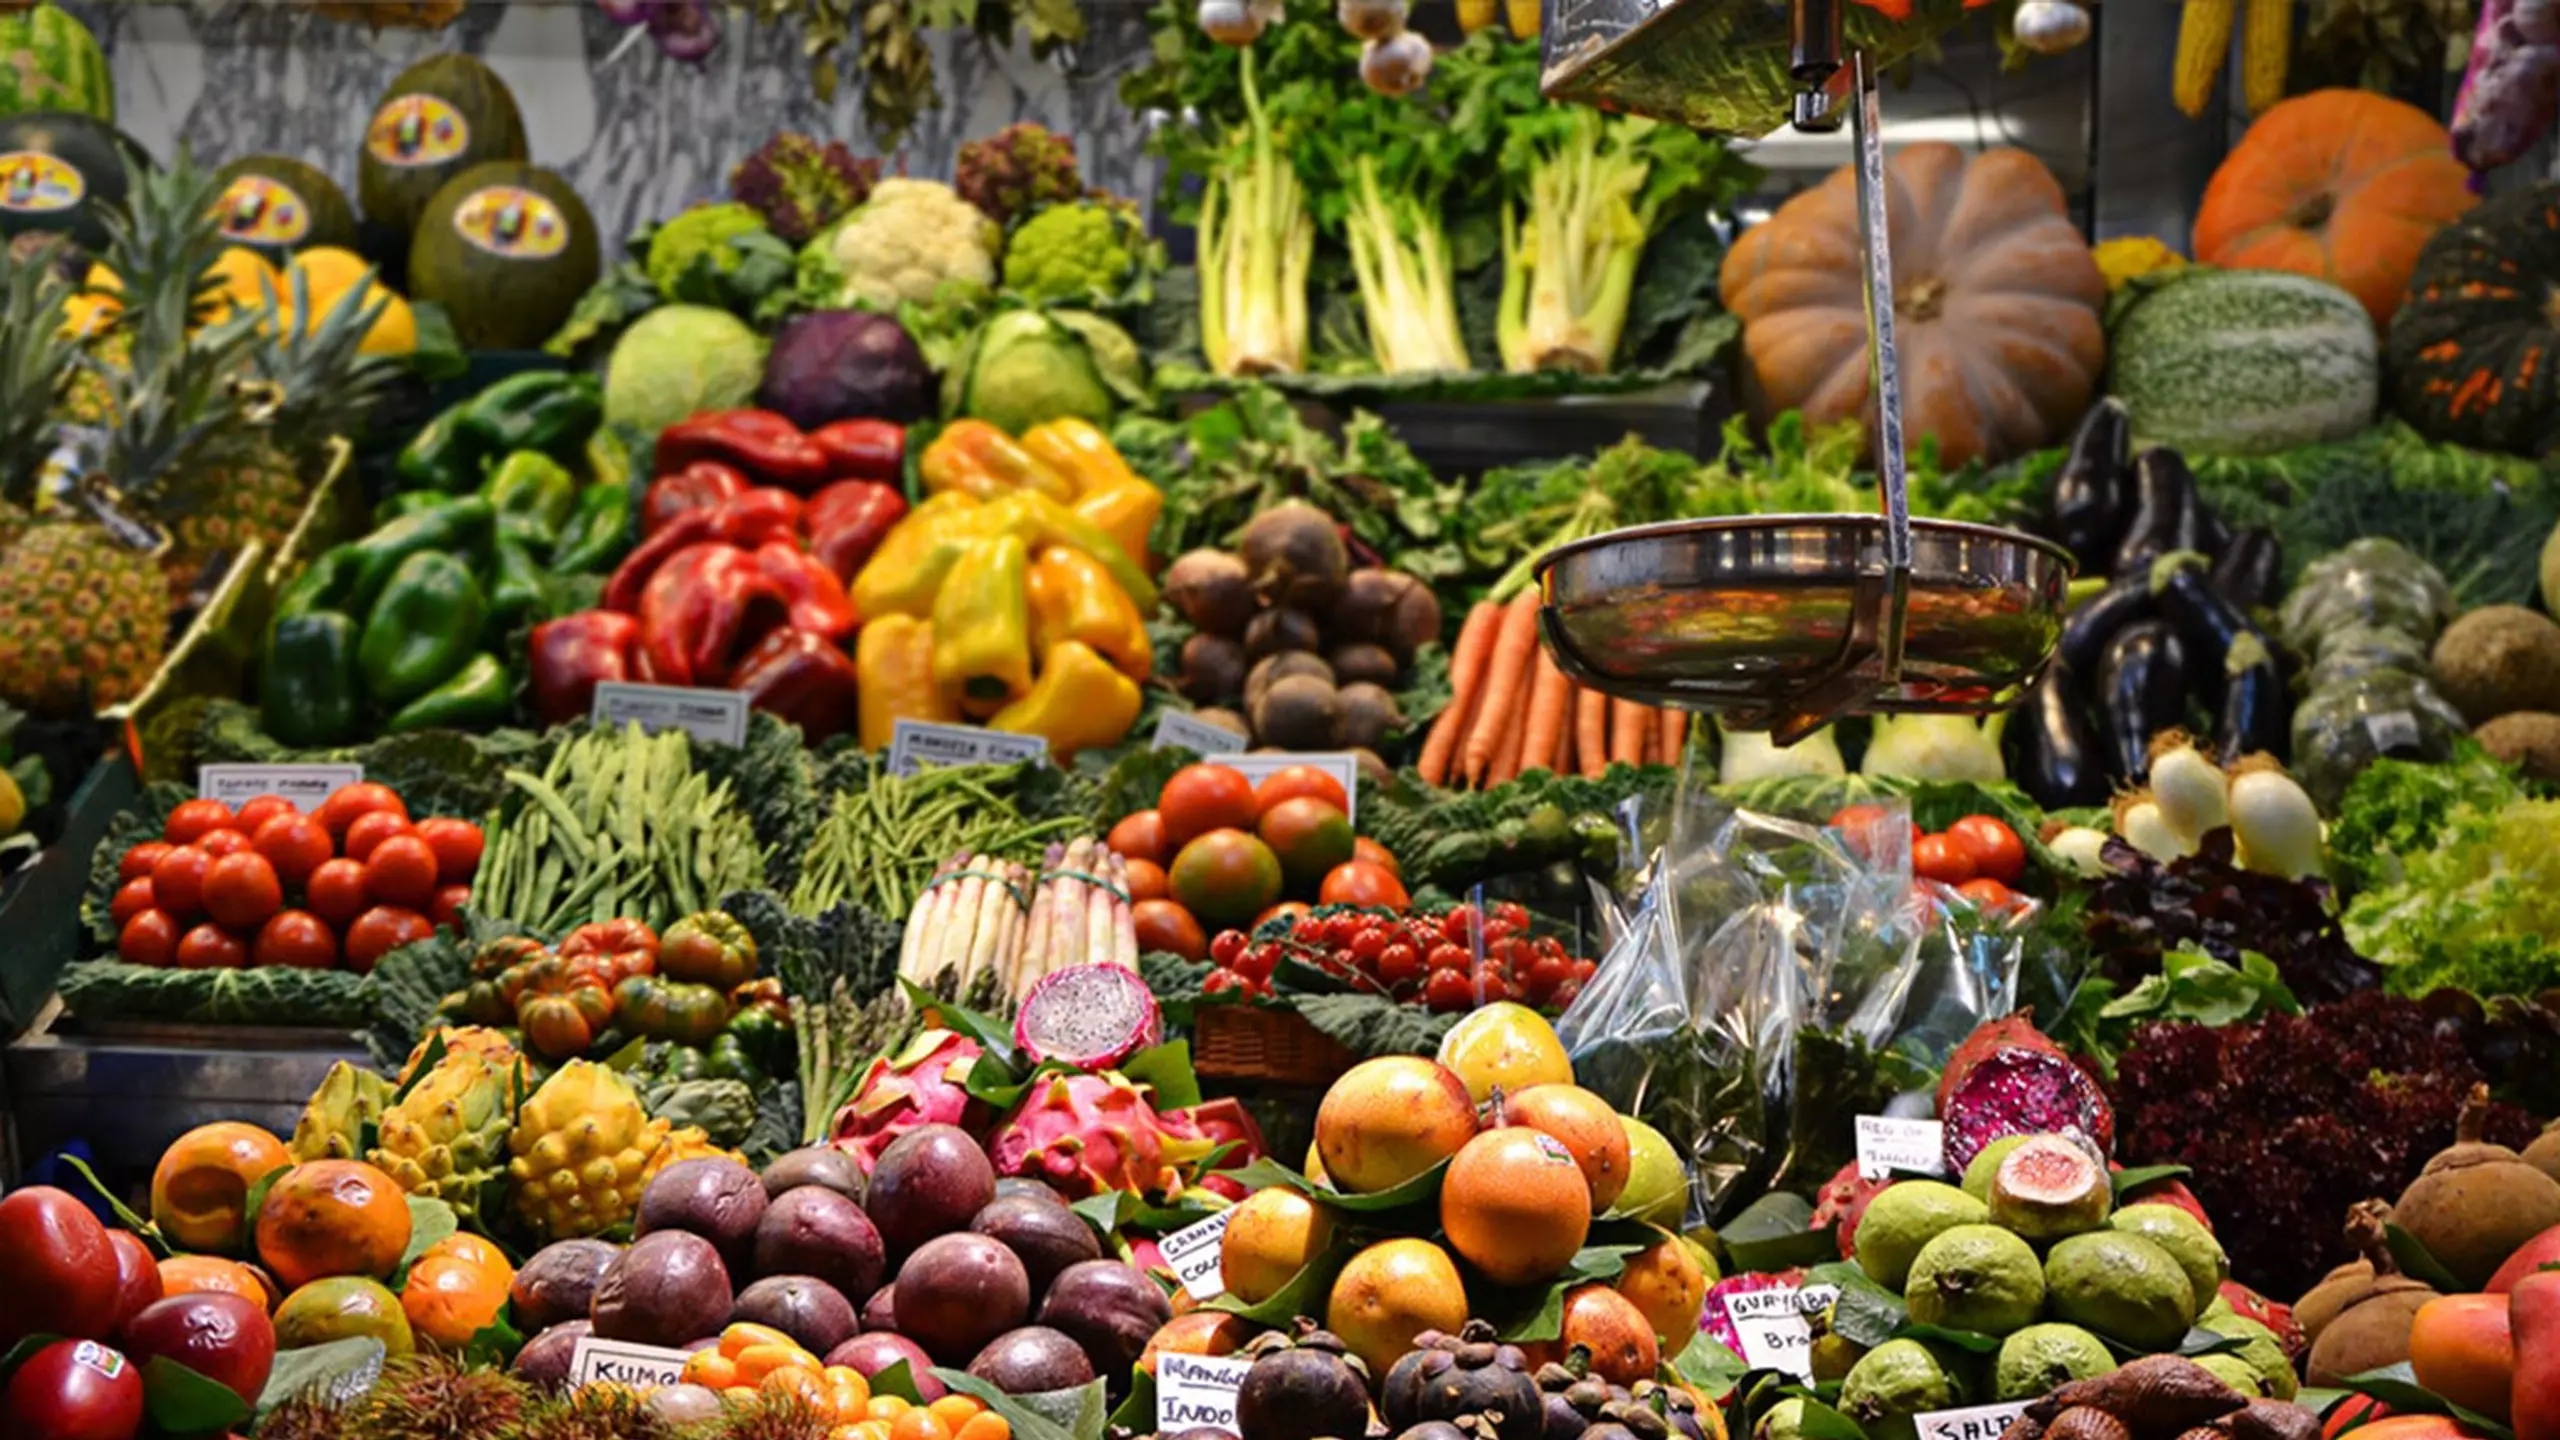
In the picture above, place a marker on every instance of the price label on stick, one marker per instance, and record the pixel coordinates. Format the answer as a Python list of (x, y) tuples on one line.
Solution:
[(1982, 1422), (1342, 765), (1196, 1392), (1193, 1253), (595, 1360), (717, 717), (305, 785), (1887, 1144), (917, 743), (1173, 728), (1772, 1323)]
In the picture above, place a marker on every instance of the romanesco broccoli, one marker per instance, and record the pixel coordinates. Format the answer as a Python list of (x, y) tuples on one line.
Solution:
[(702, 230), (1071, 253)]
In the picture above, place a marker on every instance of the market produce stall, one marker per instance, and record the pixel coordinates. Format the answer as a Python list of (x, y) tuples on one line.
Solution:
[(928, 803)]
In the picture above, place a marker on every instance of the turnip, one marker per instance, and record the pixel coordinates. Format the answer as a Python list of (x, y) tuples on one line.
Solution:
[(2081, 848), (1371, 19), (2274, 820), (1229, 22), (2193, 794), (1396, 66), (2139, 822)]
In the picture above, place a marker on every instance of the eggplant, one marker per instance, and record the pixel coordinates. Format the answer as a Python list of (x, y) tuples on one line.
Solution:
[(2088, 629), (2250, 568), (2251, 710), (2163, 499), (2089, 496), (2142, 690), (2200, 530), (2058, 763)]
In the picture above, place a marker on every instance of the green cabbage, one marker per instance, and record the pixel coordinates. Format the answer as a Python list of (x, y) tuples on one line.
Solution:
[(678, 361)]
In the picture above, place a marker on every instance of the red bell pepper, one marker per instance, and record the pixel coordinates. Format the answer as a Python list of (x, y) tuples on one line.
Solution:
[(575, 653), (847, 521), (698, 486), (746, 519), (863, 449), (765, 447), (816, 597), (802, 678), (705, 605)]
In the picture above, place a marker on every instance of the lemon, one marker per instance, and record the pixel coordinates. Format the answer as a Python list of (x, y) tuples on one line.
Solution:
[(328, 272), (13, 804), (247, 283), (1505, 1045), (1657, 1187)]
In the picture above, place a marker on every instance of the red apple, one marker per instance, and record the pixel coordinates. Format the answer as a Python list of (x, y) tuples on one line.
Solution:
[(137, 1277), (218, 1335), (75, 1390), (2532, 1255), (58, 1270)]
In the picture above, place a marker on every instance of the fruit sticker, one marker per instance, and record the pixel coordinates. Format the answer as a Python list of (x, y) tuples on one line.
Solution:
[(416, 130), (32, 182), (109, 1363), (512, 223), (258, 211)]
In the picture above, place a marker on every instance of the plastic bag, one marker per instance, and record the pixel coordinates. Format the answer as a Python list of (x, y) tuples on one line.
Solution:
[(1967, 970), (2356, 651), (2374, 582), (2339, 730)]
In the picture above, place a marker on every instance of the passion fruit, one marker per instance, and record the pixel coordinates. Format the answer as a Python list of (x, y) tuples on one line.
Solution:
[(1391, 1292), (1515, 1205), (1390, 1119)]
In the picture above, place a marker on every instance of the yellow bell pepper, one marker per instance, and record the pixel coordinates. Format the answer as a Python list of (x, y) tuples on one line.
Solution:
[(902, 576), (894, 660), (1079, 704), (1073, 598), (1044, 521), (1127, 514), (1077, 448), (982, 625), (981, 461)]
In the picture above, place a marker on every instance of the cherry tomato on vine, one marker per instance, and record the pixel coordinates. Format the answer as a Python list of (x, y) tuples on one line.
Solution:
[(1941, 858), (1996, 849)]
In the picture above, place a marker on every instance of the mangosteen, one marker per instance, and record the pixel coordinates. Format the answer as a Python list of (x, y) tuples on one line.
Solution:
[(1677, 1407), (1465, 1427), (1111, 1309), (814, 1165), (1303, 1386), (1466, 1374), (1032, 1361), (803, 1307), (1044, 1235)]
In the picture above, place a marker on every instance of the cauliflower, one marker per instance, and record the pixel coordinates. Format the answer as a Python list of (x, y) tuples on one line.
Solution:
[(1072, 252), (906, 242), (704, 230)]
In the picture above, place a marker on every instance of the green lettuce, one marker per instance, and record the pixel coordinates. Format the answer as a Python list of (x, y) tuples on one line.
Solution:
[(2458, 872)]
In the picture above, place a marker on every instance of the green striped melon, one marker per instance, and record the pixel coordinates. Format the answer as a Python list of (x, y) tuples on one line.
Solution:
[(49, 61), (2245, 362), (440, 117)]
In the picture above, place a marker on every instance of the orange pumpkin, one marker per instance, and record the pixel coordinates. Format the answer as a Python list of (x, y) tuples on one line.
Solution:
[(1995, 297), (2340, 185)]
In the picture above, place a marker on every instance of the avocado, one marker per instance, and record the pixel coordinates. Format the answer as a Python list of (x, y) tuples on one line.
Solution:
[(507, 249), (440, 117)]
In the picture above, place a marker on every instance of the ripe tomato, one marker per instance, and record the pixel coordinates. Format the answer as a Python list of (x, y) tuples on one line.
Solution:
[(1357, 882), (1859, 827), (297, 938), (1285, 910), (192, 818), (1995, 847), (457, 845), (1310, 836), (218, 843), (335, 892), (132, 898), (1146, 880), (446, 908), (1140, 836), (1941, 858), (371, 829), (149, 938), (381, 930), (177, 881), (241, 891), (1202, 798), (137, 862), (1299, 780), (1990, 896), (210, 947), (254, 813), (400, 871), (1376, 854), (1224, 877), (1163, 925), (295, 845), (349, 801)]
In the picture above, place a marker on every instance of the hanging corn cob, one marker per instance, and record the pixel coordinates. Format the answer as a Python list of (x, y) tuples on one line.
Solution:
[(2204, 47), (2266, 50)]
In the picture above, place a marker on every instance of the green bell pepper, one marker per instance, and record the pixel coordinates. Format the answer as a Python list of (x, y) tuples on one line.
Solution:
[(463, 526), (324, 586), (423, 629), (533, 495), (307, 689), (725, 1058), (515, 585), (440, 457), (478, 695), (407, 502), (548, 410), (597, 530)]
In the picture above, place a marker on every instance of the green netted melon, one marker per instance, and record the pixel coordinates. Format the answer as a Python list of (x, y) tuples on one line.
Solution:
[(61, 172), (507, 249), (53, 63), (442, 116), (276, 205)]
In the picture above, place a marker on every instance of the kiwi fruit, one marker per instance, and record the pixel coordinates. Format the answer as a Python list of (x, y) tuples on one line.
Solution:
[(1299, 712), (2475, 1203), (1280, 628), (1369, 715), (1294, 555), (1211, 590), (1212, 668), (1271, 669)]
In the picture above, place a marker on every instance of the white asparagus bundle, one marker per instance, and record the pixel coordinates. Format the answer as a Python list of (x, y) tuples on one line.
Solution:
[(1124, 916), (1030, 960), (921, 917), (960, 923)]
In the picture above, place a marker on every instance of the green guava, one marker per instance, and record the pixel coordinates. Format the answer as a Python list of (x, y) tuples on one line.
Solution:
[(1785, 1421), (1900, 1379), (1986, 1163), (2050, 1189), (2122, 1286), (2184, 1237), (1904, 1217), (2237, 1373), (2259, 1349), (2041, 1357), (1976, 1277)]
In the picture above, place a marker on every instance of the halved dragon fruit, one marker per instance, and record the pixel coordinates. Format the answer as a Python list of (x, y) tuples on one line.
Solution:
[(1717, 1320), (1084, 1135), (924, 1083), (1842, 1203), (1196, 1132), (1089, 1016), (2008, 1079)]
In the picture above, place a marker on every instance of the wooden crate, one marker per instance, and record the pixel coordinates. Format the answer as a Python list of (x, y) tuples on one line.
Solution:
[(1250, 1042)]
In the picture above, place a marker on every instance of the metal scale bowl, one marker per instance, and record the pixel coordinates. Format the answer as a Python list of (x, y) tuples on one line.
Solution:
[(1784, 622)]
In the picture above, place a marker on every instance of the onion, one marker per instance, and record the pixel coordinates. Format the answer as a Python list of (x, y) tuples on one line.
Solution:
[(1371, 19), (2082, 849), (2194, 795), (1396, 66), (2275, 822), (1229, 22), (686, 31), (2139, 821)]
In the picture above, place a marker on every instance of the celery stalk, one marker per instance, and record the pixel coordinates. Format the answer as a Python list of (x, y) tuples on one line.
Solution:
[(1569, 266), (1256, 243)]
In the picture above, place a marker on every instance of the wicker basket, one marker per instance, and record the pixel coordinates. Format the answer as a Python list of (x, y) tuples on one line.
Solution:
[(1250, 1042)]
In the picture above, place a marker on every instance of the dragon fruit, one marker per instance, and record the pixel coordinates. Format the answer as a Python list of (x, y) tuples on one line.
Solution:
[(2277, 1316), (925, 1083), (1090, 1017), (1195, 1133), (1717, 1320), (1085, 1135), (2008, 1079), (1842, 1203)]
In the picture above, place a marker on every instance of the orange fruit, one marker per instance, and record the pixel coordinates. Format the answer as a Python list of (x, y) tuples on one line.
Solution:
[(1392, 1118), (332, 1217), (188, 1274), (1669, 1285), (1391, 1292), (919, 1423), (1515, 1205), (987, 1425), (1588, 1129), (200, 1190), (2461, 1349), (455, 1289)]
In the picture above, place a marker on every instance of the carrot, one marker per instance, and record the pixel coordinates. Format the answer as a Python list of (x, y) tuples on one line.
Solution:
[(1591, 731), (1675, 735), (1550, 696), (1506, 686), (1466, 677), (1627, 730), (1515, 739)]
